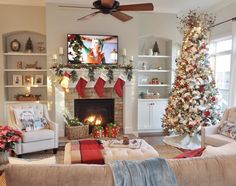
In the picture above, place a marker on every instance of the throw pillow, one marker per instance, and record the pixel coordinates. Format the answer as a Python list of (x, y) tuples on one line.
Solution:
[(228, 149), (228, 129), (41, 123), (25, 118), (48, 161)]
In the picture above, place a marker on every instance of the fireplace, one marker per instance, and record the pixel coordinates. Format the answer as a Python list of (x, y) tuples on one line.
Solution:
[(94, 111)]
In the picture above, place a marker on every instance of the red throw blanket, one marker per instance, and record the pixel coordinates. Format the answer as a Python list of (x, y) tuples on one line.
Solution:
[(91, 152), (191, 153)]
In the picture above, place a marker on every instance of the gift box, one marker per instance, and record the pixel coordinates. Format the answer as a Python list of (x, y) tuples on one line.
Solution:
[(98, 132), (77, 132), (112, 130)]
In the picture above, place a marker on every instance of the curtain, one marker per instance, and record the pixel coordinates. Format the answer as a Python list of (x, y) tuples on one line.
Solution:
[(232, 94)]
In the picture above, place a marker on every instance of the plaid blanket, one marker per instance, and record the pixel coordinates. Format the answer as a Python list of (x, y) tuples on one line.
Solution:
[(191, 153)]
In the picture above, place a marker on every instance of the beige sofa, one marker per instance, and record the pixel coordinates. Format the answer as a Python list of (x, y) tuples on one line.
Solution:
[(214, 171)]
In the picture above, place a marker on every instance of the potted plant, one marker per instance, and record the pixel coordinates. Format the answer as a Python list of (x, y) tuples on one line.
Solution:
[(75, 129), (8, 138)]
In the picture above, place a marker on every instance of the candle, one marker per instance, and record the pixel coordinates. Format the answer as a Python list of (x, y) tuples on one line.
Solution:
[(124, 52), (131, 58), (61, 52), (54, 56)]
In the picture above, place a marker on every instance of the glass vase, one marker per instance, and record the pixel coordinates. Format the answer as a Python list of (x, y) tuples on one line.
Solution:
[(3, 159)]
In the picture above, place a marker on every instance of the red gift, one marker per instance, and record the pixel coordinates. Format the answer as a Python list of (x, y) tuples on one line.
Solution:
[(112, 130), (98, 132)]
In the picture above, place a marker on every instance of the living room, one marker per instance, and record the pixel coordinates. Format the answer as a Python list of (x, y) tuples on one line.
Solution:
[(142, 77)]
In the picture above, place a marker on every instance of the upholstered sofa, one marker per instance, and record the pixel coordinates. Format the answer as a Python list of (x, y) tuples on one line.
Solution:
[(212, 171), (211, 136)]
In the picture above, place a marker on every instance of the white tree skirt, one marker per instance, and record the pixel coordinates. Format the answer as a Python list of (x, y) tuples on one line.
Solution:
[(184, 141)]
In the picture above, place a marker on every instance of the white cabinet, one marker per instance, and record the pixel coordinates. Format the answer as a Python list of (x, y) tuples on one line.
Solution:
[(25, 72), (150, 113), (154, 73)]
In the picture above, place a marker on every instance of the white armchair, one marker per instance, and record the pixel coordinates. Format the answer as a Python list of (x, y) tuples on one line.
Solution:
[(37, 140), (210, 135)]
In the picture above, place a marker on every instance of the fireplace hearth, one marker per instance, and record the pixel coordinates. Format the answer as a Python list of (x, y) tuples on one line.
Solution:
[(94, 111)]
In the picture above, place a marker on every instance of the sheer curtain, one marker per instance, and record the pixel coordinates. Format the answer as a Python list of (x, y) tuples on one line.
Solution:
[(232, 94)]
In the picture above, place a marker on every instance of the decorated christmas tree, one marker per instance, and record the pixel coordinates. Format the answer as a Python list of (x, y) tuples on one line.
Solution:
[(193, 101)]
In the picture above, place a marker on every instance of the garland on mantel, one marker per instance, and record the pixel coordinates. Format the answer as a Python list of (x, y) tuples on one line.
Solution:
[(60, 68)]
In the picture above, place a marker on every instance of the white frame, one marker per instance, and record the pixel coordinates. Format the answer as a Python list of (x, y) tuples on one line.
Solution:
[(38, 77), (17, 79), (31, 80)]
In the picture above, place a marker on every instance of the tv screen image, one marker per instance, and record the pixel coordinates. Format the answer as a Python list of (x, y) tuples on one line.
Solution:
[(92, 49)]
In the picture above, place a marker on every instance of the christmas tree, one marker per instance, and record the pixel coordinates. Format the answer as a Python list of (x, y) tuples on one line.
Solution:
[(194, 98)]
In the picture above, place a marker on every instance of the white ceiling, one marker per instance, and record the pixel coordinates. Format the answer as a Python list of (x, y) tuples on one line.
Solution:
[(167, 6)]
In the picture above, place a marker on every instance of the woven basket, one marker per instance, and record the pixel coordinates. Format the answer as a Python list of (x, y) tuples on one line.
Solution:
[(150, 96), (77, 132)]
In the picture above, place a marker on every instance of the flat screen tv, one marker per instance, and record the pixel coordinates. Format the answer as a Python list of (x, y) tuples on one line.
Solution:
[(92, 49)]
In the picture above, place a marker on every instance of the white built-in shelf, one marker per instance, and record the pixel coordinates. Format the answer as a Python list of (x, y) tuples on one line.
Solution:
[(24, 86), (23, 54), (26, 70), (152, 56), (153, 85), (153, 70), (40, 101)]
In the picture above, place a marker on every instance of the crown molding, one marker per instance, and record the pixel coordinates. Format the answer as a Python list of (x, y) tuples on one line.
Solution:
[(23, 2)]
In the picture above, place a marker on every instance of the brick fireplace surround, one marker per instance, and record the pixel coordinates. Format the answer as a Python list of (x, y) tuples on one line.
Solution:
[(91, 94)]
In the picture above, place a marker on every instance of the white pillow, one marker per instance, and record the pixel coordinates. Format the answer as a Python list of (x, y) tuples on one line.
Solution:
[(25, 118), (48, 161), (228, 149)]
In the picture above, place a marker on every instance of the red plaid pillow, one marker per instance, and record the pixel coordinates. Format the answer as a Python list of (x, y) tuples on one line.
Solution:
[(191, 153)]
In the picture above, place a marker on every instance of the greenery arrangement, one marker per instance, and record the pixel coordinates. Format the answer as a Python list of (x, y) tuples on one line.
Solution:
[(72, 121)]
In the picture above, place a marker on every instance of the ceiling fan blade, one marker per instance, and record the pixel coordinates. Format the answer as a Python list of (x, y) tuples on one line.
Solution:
[(88, 16), (121, 16), (71, 6), (137, 7), (107, 3)]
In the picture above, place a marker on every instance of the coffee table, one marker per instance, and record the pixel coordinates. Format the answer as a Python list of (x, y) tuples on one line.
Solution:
[(112, 153)]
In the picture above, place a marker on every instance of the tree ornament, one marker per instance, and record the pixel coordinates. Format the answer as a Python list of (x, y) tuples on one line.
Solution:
[(29, 46)]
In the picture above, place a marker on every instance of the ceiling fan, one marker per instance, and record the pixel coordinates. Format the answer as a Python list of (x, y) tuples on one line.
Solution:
[(114, 8)]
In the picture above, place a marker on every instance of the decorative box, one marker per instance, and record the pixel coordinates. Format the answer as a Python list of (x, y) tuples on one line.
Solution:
[(98, 132), (29, 97), (77, 132), (112, 130)]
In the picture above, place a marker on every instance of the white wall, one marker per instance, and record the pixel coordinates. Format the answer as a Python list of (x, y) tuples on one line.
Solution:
[(224, 14), (61, 21), (18, 18)]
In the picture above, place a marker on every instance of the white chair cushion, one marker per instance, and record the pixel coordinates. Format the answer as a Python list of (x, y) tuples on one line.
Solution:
[(228, 149), (38, 135), (217, 140)]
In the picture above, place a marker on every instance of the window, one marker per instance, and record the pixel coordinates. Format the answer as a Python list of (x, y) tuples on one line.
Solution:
[(220, 61)]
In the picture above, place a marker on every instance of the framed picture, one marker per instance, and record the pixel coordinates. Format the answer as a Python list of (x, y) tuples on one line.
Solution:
[(28, 80), (17, 79), (38, 80)]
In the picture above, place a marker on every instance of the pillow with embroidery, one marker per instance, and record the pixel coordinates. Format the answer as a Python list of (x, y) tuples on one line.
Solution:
[(25, 118), (40, 123), (228, 129)]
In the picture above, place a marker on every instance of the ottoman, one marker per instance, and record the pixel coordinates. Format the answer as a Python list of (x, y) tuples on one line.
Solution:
[(110, 154)]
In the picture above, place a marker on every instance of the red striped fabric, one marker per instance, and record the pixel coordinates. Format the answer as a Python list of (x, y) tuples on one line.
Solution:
[(191, 153)]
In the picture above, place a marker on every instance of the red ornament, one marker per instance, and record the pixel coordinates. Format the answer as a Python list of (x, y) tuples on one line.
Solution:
[(207, 113), (202, 89), (213, 99)]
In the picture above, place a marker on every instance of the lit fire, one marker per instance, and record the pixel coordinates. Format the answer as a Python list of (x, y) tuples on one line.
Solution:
[(93, 120)]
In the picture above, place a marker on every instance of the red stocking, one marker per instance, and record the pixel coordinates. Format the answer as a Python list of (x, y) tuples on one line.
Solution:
[(120, 82), (99, 85), (80, 86)]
